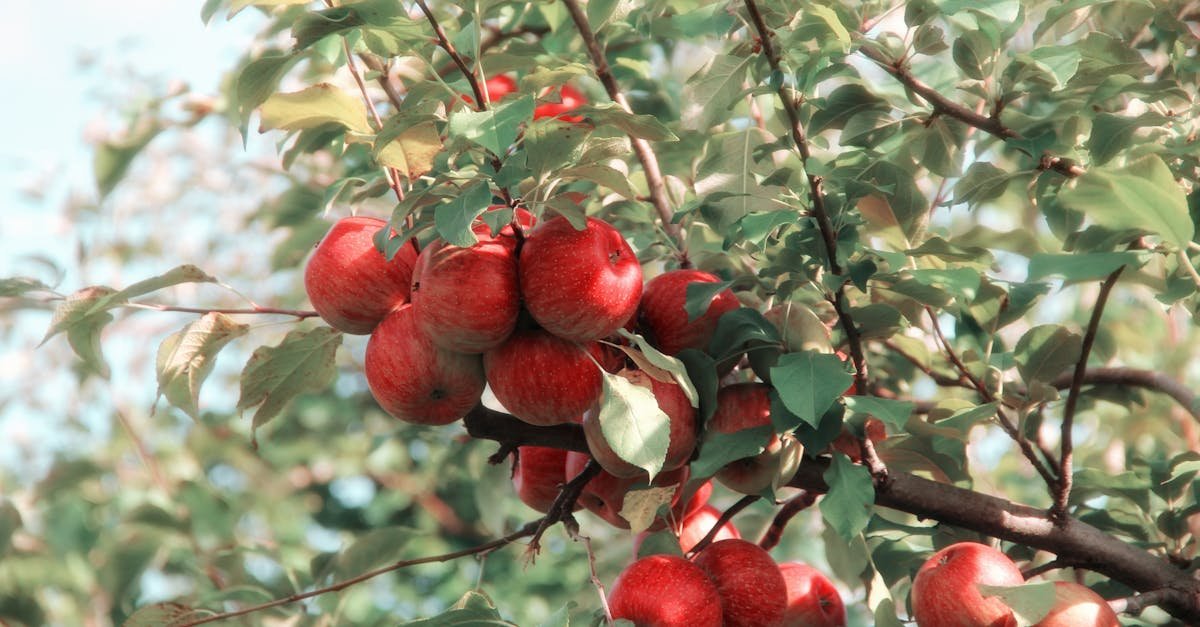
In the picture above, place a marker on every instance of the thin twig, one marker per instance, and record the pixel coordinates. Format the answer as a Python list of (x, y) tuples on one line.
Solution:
[(641, 148), (296, 313), (573, 531), (1030, 573), (1063, 493), (1148, 379), (486, 547), (726, 516), (563, 504), (1137, 603), (774, 533)]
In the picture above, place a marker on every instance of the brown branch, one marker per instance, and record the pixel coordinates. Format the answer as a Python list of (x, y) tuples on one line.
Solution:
[(486, 547), (564, 503), (445, 44), (1063, 492), (1030, 573), (1148, 379), (774, 533), (817, 196), (726, 516), (1137, 603), (489, 424), (641, 148), (392, 174), (296, 313)]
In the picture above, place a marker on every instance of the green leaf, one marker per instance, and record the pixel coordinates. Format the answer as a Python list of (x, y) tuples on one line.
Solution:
[(892, 412), (602, 175), (411, 151), (494, 129), (472, 610), (453, 219), (84, 338), (562, 616), (163, 615), (258, 79), (843, 103), (1081, 267), (113, 158), (17, 286), (10, 522), (302, 362), (237, 6), (848, 504), (311, 107), (671, 365), (1113, 133), (633, 425), (973, 53), (712, 92), (1045, 351), (186, 357), (718, 449), (809, 382), (929, 39), (551, 145), (982, 182), (700, 296), (372, 549), (642, 126), (1031, 602), (1142, 195)]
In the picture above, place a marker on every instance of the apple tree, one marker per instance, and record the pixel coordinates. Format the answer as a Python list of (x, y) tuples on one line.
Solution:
[(673, 312)]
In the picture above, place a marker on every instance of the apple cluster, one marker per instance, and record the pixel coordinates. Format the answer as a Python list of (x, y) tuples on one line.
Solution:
[(731, 582), (946, 592)]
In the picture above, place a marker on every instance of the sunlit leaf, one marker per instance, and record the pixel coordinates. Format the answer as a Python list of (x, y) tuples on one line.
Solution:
[(186, 357), (302, 362), (314, 106), (633, 424)]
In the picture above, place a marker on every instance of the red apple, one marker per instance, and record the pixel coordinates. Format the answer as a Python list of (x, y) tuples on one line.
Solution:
[(812, 599), (945, 593), (697, 525), (698, 499), (466, 299), (846, 442), (746, 406), (413, 379), (673, 402), (604, 495), (541, 378), (579, 284), (571, 99), (752, 589), (665, 591), (499, 87), (1076, 605), (350, 283), (523, 217), (538, 476), (665, 321)]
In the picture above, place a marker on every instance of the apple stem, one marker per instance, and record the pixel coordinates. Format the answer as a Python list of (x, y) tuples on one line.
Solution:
[(726, 516), (790, 508)]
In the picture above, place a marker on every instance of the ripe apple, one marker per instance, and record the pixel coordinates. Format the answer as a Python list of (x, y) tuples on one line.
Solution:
[(672, 401), (571, 99), (581, 285), (415, 380), (538, 475), (748, 581), (466, 299), (696, 501), (1076, 605), (746, 406), (523, 218), (812, 599), (499, 87), (944, 592), (697, 525), (604, 495), (665, 321), (665, 591), (846, 442), (541, 378), (350, 283)]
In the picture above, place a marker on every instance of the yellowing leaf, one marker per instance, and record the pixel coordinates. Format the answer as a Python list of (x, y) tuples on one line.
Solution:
[(186, 357), (311, 107), (641, 506), (413, 151)]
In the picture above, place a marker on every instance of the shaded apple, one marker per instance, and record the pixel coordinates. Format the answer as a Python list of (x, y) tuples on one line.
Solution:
[(604, 495), (697, 525), (752, 590), (945, 592), (538, 476), (664, 320), (665, 591), (673, 402), (415, 380), (1076, 605), (812, 599), (466, 299), (350, 283), (746, 406), (541, 378), (569, 100), (581, 285)]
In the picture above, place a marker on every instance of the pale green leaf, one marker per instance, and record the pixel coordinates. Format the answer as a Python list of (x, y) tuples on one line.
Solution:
[(809, 382), (666, 363), (848, 504), (711, 92), (453, 219), (1142, 195), (167, 614), (1031, 602), (1045, 351), (186, 357), (302, 362), (495, 129), (412, 151), (371, 550), (311, 107), (633, 424)]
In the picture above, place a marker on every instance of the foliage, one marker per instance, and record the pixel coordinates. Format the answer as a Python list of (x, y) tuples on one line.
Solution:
[(936, 189)]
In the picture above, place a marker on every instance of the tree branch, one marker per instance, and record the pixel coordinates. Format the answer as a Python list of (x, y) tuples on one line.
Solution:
[(726, 516), (641, 148), (793, 506), (296, 313), (1063, 492), (1148, 379)]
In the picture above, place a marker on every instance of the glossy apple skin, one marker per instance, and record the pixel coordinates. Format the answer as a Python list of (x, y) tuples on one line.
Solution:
[(673, 402), (541, 378), (752, 590), (415, 380), (350, 283), (944, 592), (664, 319), (579, 285), (697, 525), (538, 476), (466, 299), (571, 99), (745, 406), (665, 591), (1076, 605), (604, 495), (812, 599)]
